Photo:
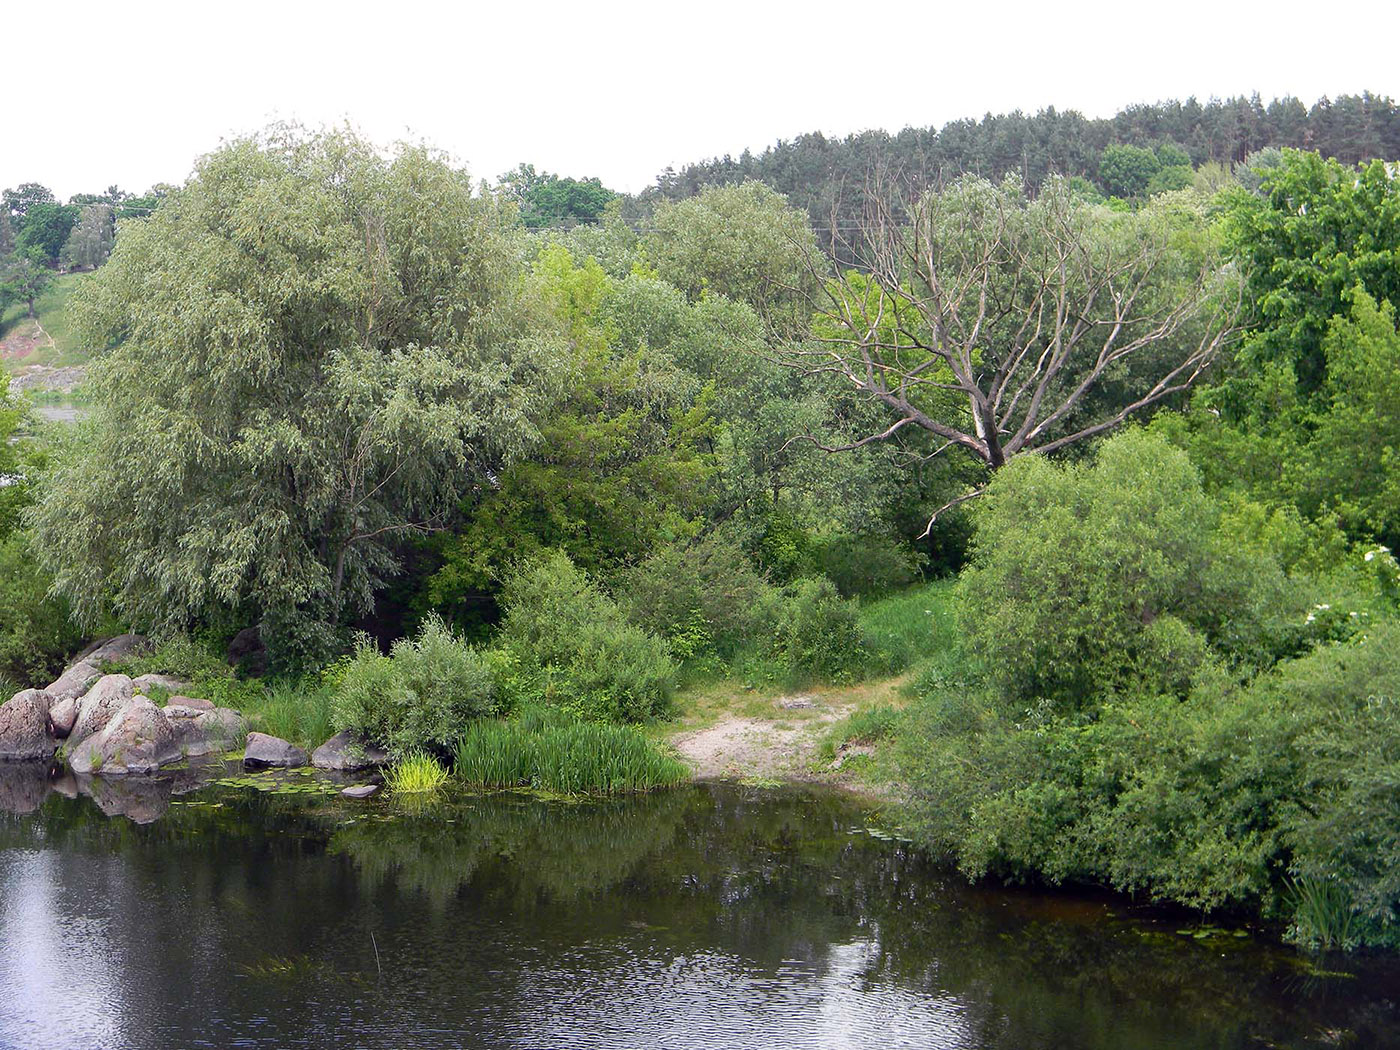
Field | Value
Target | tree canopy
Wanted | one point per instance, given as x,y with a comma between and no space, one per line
311,352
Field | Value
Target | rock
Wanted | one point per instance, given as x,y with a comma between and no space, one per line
23,786
62,715
137,739
24,727
189,701
263,750
97,706
247,652
205,732
796,703
360,791
112,650
75,681
347,753
169,683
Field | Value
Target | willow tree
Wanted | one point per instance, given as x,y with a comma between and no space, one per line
309,352
1005,324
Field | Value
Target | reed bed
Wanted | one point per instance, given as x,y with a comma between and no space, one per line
581,758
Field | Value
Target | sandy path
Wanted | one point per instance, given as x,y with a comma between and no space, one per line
782,746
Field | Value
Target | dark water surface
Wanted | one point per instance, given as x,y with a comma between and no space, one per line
712,916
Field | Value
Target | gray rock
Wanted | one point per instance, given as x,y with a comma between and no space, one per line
189,701
75,681
263,750
796,703
169,683
360,791
111,650
137,739
347,753
97,706
205,732
23,786
24,727
62,715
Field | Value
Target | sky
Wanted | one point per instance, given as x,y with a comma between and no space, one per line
131,93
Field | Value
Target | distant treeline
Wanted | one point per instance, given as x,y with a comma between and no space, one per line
828,176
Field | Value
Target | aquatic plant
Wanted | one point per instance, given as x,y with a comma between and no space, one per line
417,773
1323,914
581,758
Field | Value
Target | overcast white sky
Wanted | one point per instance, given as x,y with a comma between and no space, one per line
131,93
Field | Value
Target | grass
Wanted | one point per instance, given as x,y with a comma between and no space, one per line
581,758
52,308
295,710
415,774
1323,916
904,629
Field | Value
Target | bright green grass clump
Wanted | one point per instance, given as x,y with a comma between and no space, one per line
581,758
415,774
904,629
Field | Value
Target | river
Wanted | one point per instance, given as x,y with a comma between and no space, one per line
710,916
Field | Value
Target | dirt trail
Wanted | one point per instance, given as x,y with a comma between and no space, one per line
782,745
24,339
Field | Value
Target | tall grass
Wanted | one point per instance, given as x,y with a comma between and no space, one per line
298,710
1323,916
581,758
907,628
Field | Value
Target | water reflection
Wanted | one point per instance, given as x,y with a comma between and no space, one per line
704,917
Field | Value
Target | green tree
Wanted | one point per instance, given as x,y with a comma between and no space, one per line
23,277
744,242
19,200
44,230
545,199
1126,171
1315,230
311,353
90,242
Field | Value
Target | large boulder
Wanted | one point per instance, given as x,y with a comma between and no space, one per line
24,727
75,681
205,732
262,750
137,739
113,650
347,753
189,701
97,706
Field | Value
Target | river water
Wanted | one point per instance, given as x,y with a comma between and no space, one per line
710,916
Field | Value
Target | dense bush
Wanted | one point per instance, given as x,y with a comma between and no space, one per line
575,649
701,597
814,632
422,695
1116,578
36,634
1277,797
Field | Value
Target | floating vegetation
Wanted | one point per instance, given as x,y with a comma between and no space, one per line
304,781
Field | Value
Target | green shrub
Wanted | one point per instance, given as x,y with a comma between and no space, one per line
865,564
420,696
701,597
36,634
1276,797
576,649
814,632
1076,565
578,758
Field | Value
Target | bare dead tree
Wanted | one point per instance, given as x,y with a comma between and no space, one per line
995,321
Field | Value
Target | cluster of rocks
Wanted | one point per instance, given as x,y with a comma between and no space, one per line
108,724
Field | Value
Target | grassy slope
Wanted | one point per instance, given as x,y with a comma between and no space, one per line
53,317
